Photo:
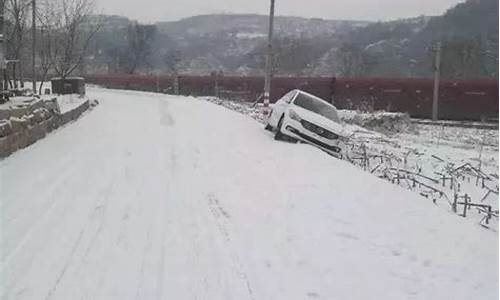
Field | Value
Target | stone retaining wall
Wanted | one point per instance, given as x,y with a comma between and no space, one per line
20,133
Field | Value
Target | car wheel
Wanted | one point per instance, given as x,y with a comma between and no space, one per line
279,136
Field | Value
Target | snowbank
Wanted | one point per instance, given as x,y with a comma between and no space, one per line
246,108
26,120
384,122
70,102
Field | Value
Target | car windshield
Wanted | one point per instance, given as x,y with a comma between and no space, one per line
315,105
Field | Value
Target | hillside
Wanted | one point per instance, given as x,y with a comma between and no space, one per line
252,25
469,36
236,44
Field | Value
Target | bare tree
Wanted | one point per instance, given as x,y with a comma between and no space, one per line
16,14
44,49
490,54
468,58
352,62
137,52
291,55
68,31
171,59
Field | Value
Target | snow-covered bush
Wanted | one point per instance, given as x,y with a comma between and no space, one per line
381,121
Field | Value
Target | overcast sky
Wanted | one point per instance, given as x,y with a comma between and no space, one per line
170,10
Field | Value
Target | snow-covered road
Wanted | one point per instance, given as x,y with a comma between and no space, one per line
161,197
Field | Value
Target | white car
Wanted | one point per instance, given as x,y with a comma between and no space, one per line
307,118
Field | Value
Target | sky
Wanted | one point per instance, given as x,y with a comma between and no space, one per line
150,11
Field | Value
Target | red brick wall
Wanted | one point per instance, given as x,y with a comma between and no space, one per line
459,100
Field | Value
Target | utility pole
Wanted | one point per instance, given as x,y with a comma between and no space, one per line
33,32
437,71
2,48
269,61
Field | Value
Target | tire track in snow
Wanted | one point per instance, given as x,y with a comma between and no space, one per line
146,251
160,272
44,217
100,209
221,218
122,239
66,265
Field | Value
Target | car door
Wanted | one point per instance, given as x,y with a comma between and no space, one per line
280,107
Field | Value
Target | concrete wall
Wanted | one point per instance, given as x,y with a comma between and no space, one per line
26,131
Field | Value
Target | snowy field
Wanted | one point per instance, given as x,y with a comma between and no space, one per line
165,197
439,163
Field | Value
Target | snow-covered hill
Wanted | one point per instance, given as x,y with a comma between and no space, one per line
236,44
